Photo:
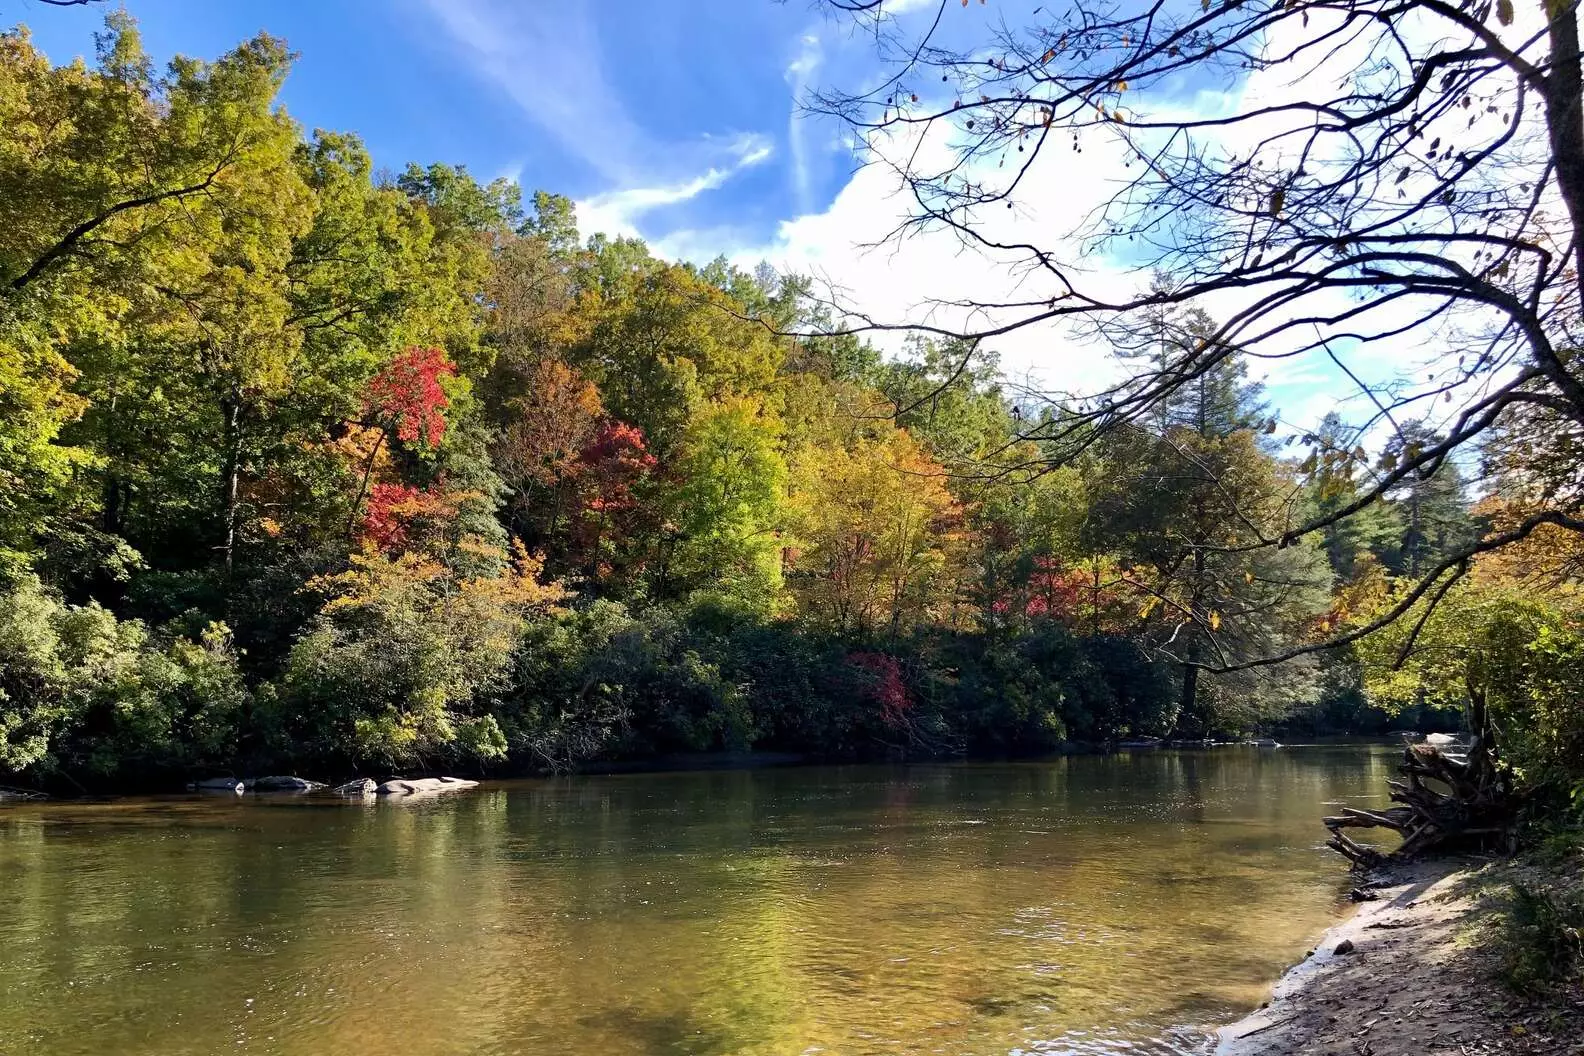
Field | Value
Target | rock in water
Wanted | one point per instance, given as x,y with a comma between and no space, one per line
215,784
425,785
363,786
284,784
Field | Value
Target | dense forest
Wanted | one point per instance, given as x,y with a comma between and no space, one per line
307,464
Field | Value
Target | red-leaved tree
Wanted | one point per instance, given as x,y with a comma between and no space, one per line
395,509
613,517
880,679
404,400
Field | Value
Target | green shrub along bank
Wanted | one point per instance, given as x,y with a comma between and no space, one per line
94,702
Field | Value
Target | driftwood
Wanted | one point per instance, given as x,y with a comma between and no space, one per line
1447,801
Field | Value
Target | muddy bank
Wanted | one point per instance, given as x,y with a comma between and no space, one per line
1405,976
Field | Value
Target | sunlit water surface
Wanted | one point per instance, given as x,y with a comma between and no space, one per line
1081,906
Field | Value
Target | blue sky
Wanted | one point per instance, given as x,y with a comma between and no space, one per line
583,97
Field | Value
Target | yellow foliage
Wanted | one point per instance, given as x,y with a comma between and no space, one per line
881,538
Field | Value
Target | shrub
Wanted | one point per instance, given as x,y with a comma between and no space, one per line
1540,939
403,660
83,691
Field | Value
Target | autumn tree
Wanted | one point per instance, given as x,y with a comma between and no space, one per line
404,403
665,343
539,449
156,221
1371,192
878,537
727,506
1181,505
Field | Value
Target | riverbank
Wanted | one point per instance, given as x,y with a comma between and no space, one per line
1409,974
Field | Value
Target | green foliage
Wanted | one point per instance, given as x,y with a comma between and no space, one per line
397,668
1184,504
1540,939
728,507
1519,652
89,695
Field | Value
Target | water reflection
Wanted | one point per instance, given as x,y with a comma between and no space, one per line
1068,906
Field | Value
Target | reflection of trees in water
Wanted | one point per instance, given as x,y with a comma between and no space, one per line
973,906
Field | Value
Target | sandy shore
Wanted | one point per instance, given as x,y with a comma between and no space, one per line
1400,977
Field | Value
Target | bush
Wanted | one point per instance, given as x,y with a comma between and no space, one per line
34,701
84,692
1540,939
603,680
402,663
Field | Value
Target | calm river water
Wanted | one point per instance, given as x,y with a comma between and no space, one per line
1077,906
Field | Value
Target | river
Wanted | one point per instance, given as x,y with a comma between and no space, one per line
1084,905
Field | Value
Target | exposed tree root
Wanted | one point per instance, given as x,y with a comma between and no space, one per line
1449,800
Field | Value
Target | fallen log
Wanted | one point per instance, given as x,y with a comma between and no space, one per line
1397,818
281,783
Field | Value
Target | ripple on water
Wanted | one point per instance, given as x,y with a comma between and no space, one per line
1080,906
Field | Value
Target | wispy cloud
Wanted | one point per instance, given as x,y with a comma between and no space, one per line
546,58
618,212
799,73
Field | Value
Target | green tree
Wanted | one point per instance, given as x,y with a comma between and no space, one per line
1185,507
727,508
1333,485
1430,505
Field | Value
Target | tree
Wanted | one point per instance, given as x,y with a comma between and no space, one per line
726,507
153,218
1373,530
878,537
1431,508
540,446
1374,189
404,402
1179,505
393,668
948,395
616,528
664,343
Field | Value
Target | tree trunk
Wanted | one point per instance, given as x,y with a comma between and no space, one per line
362,492
1187,704
1564,98
230,476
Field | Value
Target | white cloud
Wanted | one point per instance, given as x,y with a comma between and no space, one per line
798,74
930,278
898,7
848,246
617,212
547,58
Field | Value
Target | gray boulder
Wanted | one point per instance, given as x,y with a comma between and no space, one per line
425,786
216,784
363,786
